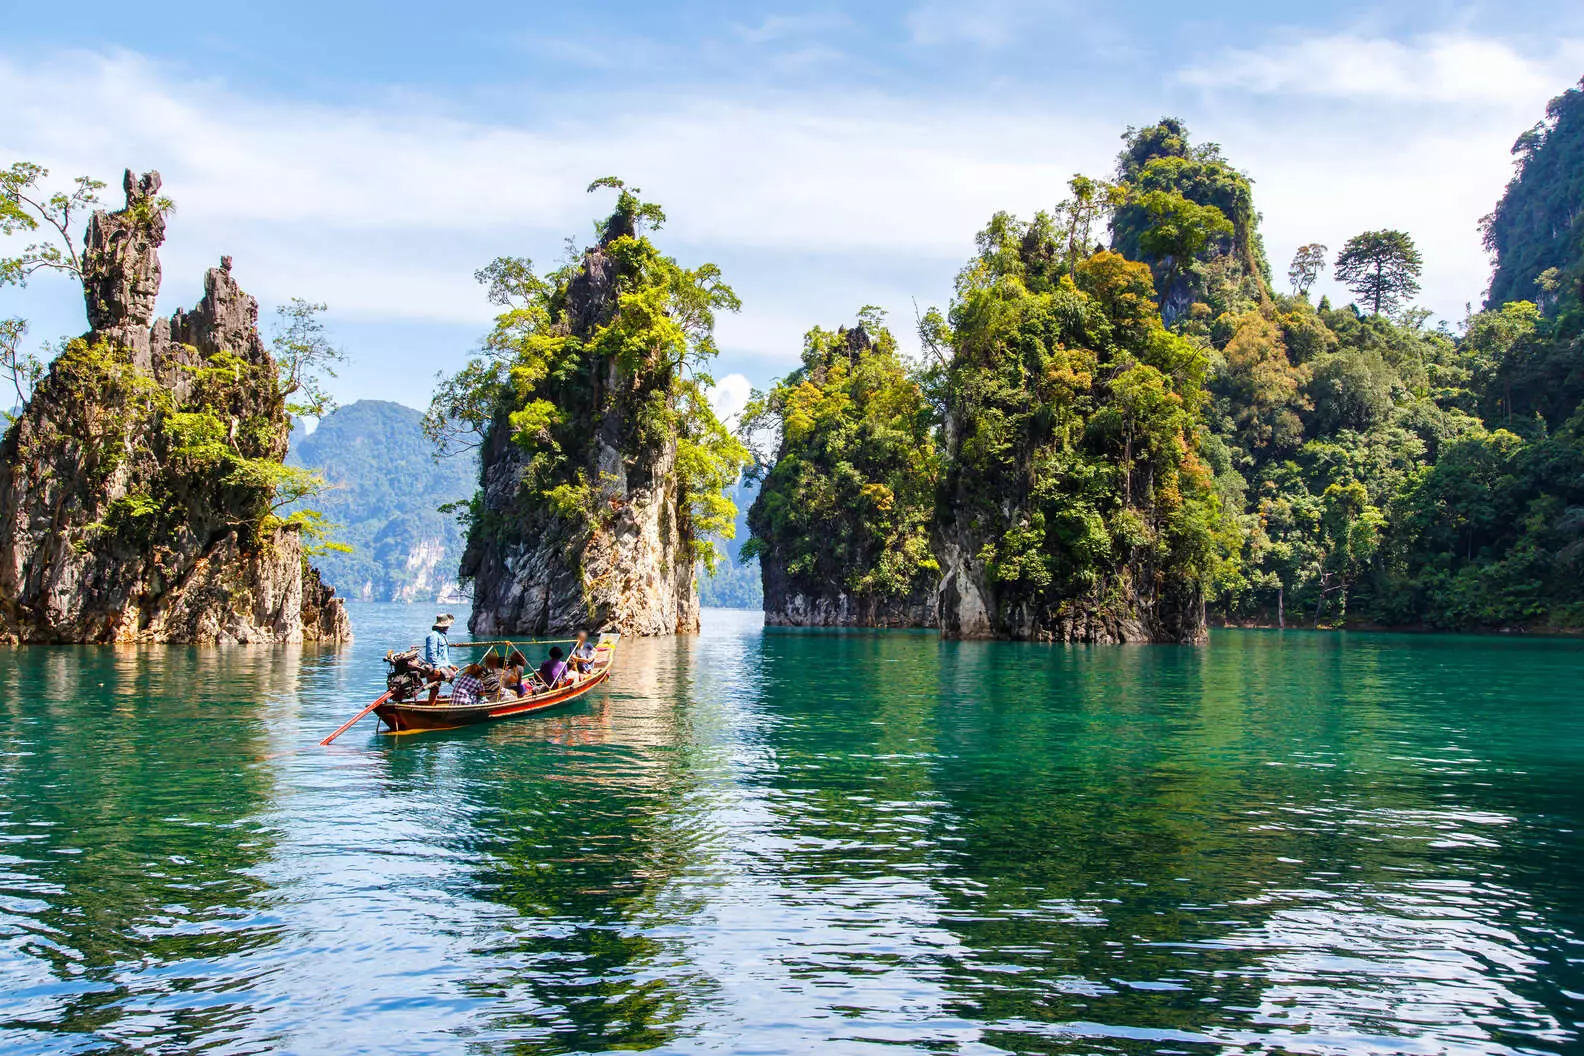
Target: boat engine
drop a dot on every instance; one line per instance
(408, 676)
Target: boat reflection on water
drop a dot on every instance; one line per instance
(573, 827)
(589, 725)
(771, 841)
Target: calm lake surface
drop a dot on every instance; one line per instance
(776, 842)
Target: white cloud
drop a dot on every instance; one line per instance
(1413, 135)
(826, 175)
(729, 396)
(823, 202)
(1455, 68)
(814, 203)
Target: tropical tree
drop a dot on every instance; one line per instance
(27, 206)
(304, 358)
(1382, 267)
(1177, 229)
(1091, 205)
(1307, 264)
(22, 369)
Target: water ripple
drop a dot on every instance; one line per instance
(1294, 843)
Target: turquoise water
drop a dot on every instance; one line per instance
(772, 842)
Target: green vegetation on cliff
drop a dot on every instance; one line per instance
(1536, 232)
(209, 435)
(1393, 474)
(604, 467)
(1074, 503)
(1190, 215)
(1102, 471)
(546, 370)
(845, 505)
(143, 496)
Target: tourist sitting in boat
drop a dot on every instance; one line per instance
(553, 670)
(467, 687)
(513, 677)
(582, 657)
(493, 677)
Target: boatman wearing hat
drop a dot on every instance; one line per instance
(437, 648)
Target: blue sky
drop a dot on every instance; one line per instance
(372, 156)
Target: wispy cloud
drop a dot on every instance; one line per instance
(814, 202)
(985, 24)
(364, 196)
(775, 28)
(1455, 68)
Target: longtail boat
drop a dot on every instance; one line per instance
(417, 716)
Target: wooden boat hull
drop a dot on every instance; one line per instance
(416, 717)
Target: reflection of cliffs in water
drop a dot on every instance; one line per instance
(845, 836)
(580, 824)
(1132, 799)
(143, 800)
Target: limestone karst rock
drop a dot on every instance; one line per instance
(840, 525)
(123, 514)
(121, 267)
(788, 603)
(629, 563)
(1074, 506)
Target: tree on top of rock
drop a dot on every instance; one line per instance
(1380, 267)
(1189, 214)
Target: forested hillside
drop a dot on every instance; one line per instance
(1073, 505)
(1398, 475)
(385, 496)
(1127, 431)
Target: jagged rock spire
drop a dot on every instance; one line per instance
(121, 268)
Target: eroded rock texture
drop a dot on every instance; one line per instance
(535, 571)
(120, 518)
(1137, 601)
(791, 603)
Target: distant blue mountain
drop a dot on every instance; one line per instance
(385, 490)
(735, 584)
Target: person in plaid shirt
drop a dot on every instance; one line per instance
(467, 687)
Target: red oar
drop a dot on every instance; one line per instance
(353, 720)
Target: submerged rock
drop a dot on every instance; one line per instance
(134, 499)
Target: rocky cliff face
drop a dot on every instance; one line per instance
(842, 521)
(624, 562)
(133, 500)
(787, 604)
(1131, 596)
(1135, 605)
